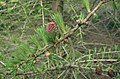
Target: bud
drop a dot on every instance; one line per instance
(51, 27)
(47, 54)
(34, 61)
(111, 73)
(99, 70)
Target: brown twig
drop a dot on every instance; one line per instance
(74, 29)
(64, 67)
(67, 34)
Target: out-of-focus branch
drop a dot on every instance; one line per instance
(2, 63)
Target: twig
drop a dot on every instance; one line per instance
(3, 64)
(64, 67)
(98, 54)
(67, 34)
(43, 19)
(74, 29)
(115, 63)
(94, 60)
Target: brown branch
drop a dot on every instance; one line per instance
(64, 67)
(74, 29)
(92, 12)
(67, 34)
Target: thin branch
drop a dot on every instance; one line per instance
(67, 34)
(74, 29)
(65, 67)
(2, 63)
(111, 52)
(101, 60)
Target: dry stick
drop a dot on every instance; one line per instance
(67, 34)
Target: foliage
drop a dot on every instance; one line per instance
(87, 4)
(29, 50)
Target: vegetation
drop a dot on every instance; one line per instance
(59, 39)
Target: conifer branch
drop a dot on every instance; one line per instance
(74, 29)
(68, 34)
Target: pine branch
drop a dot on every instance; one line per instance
(79, 23)
(74, 29)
